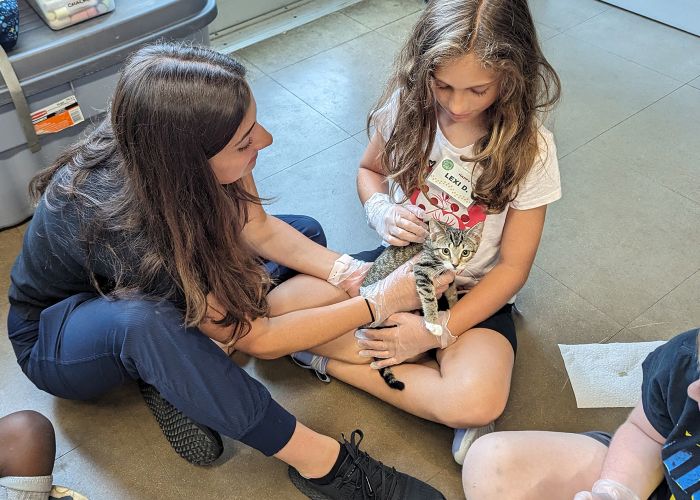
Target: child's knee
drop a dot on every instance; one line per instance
(487, 462)
(31, 437)
(28, 427)
(470, 409)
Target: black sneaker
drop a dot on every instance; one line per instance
(362, 477)
(196, 443)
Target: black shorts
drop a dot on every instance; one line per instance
(660, 493)
(501, 321)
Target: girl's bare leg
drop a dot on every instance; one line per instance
(467, 388)
(301, 292)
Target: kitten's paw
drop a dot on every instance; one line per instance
(433, 328)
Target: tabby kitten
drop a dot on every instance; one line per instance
(445, 249)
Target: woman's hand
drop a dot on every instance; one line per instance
(398, 225)
(348, 274)
(396, 344)
(606, 489)
(397, 292)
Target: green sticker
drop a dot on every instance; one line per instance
(448, 164)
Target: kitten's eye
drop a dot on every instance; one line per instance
(445, 251)
(466, 252)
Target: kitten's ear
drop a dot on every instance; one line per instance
(436, 229)
(474, 232)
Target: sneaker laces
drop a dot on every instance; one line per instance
(368, 468)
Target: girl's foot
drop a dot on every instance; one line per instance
(311, 361)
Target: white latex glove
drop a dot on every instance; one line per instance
(397, 292)
(348, 274)
(398, 225)
(607, 489)
(409, 338)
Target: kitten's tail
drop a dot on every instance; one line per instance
(391, 380)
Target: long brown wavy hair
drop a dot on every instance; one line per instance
(151, 210)
(501, 33)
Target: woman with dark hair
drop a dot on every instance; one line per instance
(146, 245)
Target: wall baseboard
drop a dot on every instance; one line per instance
(273, 23)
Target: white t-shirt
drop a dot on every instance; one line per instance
(447, 195)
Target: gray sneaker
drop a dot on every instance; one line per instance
(464, 438)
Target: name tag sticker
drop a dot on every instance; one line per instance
(454, 179)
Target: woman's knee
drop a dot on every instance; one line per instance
(27, 424)
(29, 438)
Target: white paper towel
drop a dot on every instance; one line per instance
(606, 375)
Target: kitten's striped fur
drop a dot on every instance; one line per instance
(445, 248)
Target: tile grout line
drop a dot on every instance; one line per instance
(581, 297)
(624, 58)
(622, 121)
(317, 53)
(305, 158)
(664, 296)
(613, 9)
(386, 24)
(621, 56)
(272, 77)
(672, 190)
(66, 453)
(322, 52)
(350, 134)
(577, 24)
(434, 476)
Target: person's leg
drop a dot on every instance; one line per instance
(303, 292)
(27, 452)
(28, 444)
(469, 386)
(87, 345)
(531, 465)
(353, 474)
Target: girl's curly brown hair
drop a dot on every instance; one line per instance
(501, 33)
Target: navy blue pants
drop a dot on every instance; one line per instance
(86, 345)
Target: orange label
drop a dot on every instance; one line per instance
(59, 116)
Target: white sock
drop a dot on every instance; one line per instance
(25, 488)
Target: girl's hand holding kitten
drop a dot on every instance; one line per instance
(406, 340)
(397, 292)
(398, 225)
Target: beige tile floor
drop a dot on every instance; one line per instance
(619, 261)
